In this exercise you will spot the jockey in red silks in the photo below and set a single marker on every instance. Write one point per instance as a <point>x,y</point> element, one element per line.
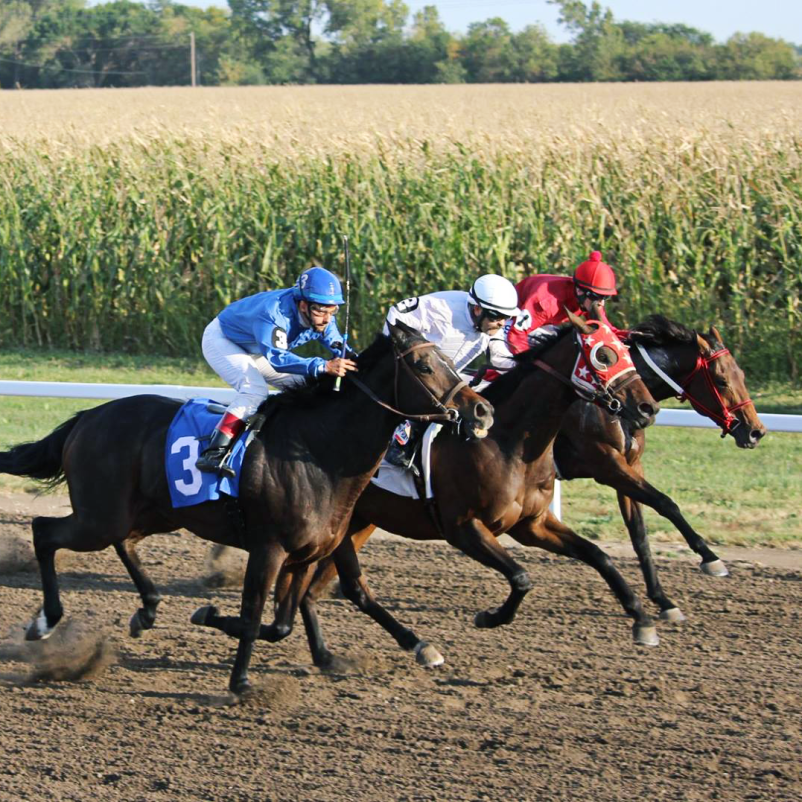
<point>543,299</point>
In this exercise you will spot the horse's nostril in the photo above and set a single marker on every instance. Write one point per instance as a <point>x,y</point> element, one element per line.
<point>756,435</point>
<point>647,409</point>
<point>482,410</point>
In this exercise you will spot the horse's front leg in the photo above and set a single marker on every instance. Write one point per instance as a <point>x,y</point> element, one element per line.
<point>630,481</point>
<point>478,542</point>
<point>632,513</point>
<point>264,563</point>
<point>552,535</point>
<point>355,589</point>
<point>145,617</point>
<point>291,587</point>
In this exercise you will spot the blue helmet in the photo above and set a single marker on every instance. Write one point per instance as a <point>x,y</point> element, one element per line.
<point>319,286</point>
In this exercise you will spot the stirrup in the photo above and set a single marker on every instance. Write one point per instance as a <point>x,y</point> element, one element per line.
<point>213,461</point>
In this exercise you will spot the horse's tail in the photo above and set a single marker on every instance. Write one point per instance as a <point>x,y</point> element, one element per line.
<point>42,459</point>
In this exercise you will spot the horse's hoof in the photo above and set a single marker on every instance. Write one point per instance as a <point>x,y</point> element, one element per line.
<point>645,635</point>
<point>486,619</point>
<point>39,629</point>
<point>241,687</point>
<point>673,615</point>
<point>428,656</point>
<point>135,625</point>
<point>203,615</point>
<point>714,568</point>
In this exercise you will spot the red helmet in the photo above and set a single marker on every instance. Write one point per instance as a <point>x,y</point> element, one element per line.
<point>595,276</point>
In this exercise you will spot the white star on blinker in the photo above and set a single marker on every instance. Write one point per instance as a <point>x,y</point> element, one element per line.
<point>588,338</point>
<point>583,373</point>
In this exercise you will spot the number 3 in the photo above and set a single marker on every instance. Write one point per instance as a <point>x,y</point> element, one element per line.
<point>191,444</point>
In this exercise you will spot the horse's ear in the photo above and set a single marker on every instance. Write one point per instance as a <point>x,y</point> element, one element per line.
<point>401,334</point>
<point>578,322</point>
<point>704,345</point>
<point>715,336</point>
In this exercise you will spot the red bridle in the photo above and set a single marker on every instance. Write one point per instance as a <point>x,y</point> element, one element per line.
<point>724,416</point>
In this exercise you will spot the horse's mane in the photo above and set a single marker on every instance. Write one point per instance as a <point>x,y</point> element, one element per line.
<point>659,330</point>
<point>507,383</point>
<point>315,391</point>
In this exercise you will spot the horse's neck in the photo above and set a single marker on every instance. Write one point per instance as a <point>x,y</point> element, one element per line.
<point>534,412</point>
<point>350,433</point>
<point>676,361</point>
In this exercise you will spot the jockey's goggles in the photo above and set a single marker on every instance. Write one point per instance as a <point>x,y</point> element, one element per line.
<point>592,295</point>
<point>492,314</point>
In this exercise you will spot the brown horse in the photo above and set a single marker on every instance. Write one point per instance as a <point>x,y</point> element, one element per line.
<point>503,484</point>
<point>300,480</point>
<point>673,361</point>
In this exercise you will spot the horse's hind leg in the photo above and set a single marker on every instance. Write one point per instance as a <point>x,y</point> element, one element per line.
<point>145,616</point>
<point>552,535</point>
<point>50,535</point>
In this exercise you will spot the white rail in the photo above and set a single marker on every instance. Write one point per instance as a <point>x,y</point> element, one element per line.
<point>666,417</point>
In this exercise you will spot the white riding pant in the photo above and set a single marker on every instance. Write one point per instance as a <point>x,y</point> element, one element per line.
<point>249,374</point>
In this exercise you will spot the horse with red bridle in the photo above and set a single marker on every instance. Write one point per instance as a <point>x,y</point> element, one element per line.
<point>673,361</point>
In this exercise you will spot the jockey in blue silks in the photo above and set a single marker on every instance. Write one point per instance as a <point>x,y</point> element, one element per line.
<point>249,344</point>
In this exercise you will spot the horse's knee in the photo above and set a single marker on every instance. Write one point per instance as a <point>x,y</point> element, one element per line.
<point>522,582</point>
<point>355,593</point>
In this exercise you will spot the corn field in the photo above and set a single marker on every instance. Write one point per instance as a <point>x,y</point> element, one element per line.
<point>129,218</point>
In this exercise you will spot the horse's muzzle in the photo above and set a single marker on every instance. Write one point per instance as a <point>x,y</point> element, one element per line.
<point>747,436</point>
<point>477,424</point>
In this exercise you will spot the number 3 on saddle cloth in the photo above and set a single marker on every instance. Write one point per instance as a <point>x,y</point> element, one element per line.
<point>185,440</point>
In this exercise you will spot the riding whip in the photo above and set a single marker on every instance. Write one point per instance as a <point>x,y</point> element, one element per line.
<point>338,381</point>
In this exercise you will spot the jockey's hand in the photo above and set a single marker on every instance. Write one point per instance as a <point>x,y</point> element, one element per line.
<point>339,366</point>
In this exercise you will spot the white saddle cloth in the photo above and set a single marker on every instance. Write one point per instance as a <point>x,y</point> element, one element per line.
<point>400,481</point>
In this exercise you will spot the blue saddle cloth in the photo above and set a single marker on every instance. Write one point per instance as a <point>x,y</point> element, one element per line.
<point>187,484</point>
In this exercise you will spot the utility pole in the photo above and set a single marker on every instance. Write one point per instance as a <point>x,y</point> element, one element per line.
<point>192,55</point>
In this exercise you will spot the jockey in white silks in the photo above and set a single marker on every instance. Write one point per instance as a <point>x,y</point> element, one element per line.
<point>250,343</point>
<point>462,325</point>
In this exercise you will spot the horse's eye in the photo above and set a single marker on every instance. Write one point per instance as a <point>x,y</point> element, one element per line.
<point>423,368</point>
<point>603,358</point>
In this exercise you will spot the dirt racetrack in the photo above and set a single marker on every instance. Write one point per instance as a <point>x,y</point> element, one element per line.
<point>559,705</point>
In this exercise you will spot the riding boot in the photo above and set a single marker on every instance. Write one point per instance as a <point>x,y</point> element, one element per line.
<point>404,445</point>
<point>212,458</point>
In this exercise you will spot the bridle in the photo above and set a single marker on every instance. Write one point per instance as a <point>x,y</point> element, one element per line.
<point>723,417</point>
<point>446,414</point>
<point>603,395</point>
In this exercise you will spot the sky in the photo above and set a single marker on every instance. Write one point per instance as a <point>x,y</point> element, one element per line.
<point>781,19</point>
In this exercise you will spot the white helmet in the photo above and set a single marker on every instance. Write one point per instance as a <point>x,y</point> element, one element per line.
<point>496,294</point>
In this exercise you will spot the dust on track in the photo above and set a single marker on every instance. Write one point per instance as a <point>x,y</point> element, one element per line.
<point>558,705</point>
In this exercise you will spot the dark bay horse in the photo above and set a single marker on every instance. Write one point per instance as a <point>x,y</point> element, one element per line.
<point>502,484</point>
<point>593,445</point>
<point>300,479</point>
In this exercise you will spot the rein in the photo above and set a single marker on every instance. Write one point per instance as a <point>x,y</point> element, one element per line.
<point>603,396</point>
<point>724,417</point>
<point>446,415</point>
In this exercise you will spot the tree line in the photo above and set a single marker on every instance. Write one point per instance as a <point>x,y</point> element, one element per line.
<point>68,43</point>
